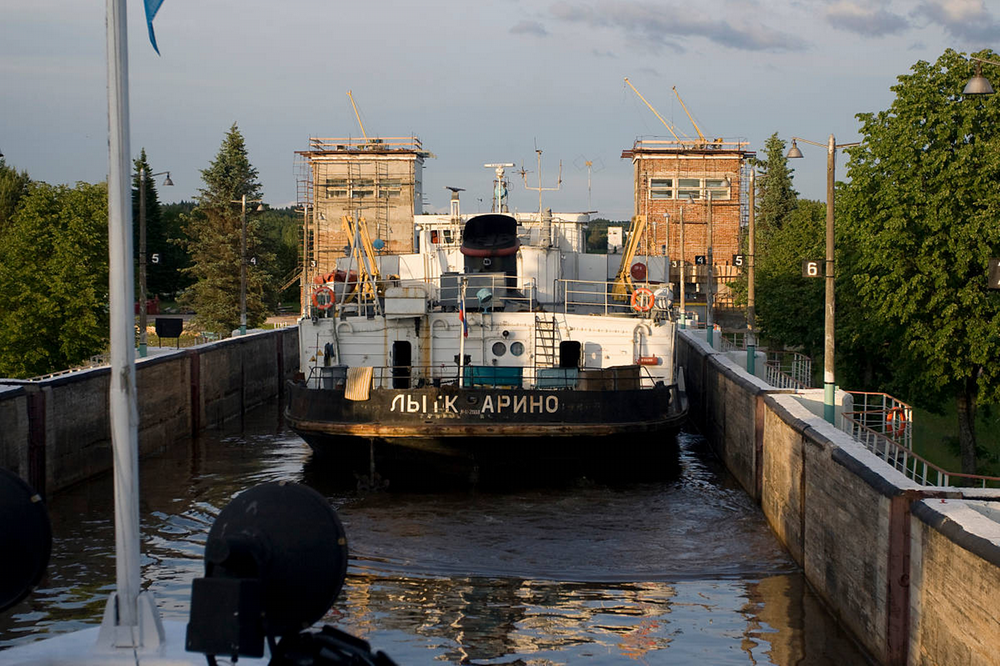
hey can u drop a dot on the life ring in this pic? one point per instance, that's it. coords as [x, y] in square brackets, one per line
[895, 421]
[328, 298]
[642, 300]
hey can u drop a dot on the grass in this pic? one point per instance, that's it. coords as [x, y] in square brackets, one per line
[935, 437]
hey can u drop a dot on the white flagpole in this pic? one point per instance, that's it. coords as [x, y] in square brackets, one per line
[123, 405]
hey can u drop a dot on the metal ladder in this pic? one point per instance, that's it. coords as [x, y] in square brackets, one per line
[546, 333]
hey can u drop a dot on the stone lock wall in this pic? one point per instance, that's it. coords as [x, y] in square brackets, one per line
[913, 572]
[55, 432]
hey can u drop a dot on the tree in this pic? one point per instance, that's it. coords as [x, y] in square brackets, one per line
[174, 218]
[775, 197]
[13, 186]
[158, 270]
[789, 306]
[214, 241]
[54, 279]
[920, 213]
[774, 202]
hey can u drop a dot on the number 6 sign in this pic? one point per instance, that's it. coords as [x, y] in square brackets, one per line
[810, 268]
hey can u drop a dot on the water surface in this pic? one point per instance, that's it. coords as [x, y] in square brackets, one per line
[668, 572]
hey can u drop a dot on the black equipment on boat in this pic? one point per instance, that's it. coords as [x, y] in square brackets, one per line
[27, 541]
[275, 561]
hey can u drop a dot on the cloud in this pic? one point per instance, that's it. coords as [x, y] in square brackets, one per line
[530, 28]
[966, 19]
[864, 19]
[657, 25]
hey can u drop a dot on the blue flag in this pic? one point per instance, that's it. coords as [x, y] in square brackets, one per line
[152, 6]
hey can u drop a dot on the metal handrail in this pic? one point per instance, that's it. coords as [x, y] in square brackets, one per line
[881, 422]
[529, 377]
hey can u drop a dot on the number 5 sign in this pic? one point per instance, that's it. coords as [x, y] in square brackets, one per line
[994, 273]
[810, 268]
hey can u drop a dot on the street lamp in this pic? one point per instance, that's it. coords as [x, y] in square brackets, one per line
[142, 252]
[978, 84]
[828, 376]
[243, 257]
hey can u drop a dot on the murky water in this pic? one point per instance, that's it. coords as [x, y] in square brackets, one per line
[667, 572]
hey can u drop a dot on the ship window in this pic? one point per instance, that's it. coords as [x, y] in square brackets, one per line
[517, 348]
[499, 349]
[661, 188]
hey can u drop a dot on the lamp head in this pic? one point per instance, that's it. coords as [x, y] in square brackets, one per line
[793, 152]
[978, 84]
[167, 182]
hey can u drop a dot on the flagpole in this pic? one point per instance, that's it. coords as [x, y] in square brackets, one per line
[461, 334]
[130, 620]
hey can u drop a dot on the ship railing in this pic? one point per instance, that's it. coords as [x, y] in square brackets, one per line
[884, 426]
[597, 297]
[492, 376]
[503, 291]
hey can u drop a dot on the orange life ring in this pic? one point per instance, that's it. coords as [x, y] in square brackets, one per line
[328, 300]
[642, 300]
[895, 421]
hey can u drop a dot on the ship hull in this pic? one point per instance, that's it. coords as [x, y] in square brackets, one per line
[496, 431]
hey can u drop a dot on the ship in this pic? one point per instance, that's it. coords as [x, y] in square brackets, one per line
[500, 346]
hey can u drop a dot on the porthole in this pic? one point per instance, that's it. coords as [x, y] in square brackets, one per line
[499, 349]
[517, 348]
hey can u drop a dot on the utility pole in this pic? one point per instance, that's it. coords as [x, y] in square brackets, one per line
[143, 323]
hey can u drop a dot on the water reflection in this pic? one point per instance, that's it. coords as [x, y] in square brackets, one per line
[680, 569]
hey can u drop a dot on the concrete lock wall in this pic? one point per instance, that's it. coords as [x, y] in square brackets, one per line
[912, 571]
[56, 432]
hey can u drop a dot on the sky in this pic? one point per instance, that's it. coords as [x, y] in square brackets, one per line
[477, 81]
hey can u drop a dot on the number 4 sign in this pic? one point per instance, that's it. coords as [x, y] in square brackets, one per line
[994, 273]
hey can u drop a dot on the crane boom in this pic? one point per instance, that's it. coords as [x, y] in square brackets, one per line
[357, 115]
[665, 123]
[684, 106]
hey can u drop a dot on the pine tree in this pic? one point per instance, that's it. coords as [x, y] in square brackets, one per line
[214, 241]
[775, 197]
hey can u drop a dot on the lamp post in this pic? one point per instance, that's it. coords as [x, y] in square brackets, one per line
[828, 338]
[142, 253]
[243, 257]
[709, 287]
[680, 269]
[751, 277]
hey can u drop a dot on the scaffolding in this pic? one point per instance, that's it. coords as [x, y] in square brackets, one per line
[377, 179]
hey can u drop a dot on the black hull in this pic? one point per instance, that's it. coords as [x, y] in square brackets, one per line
[478, 433]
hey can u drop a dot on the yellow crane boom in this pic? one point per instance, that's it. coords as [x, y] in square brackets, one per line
[357, 115]
[665, 123]
[684, 106]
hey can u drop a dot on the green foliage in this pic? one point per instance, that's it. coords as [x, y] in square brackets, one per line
[281, 237]
[175, 255]
[214, 241]
[13, 186]
[775, 198]
[54, 279]
[597, 235]
[921, 215]
[790, 307]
